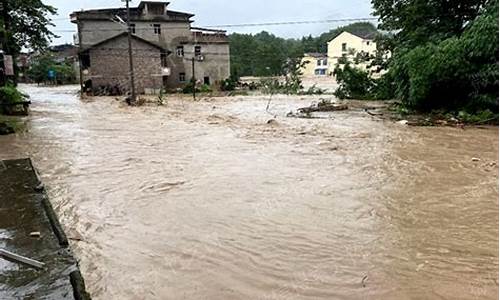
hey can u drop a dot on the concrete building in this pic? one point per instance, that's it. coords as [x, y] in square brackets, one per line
[314, 64]
[166, 43]
[348, 47]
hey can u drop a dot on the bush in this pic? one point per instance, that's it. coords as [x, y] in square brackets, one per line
[205, 88]
[479, 117]
[313, 90]
[354, 83]
[9, 94]
[188, 88]
[228, 84]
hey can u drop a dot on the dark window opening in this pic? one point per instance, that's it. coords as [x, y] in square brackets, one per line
[132, 28]
[206, 80]
[157, 28]
[344, 46]
[85, 60]
[320, 71]
[182, 77]
[319, 62]
[197, 50]
[163, 58]
[180, 51]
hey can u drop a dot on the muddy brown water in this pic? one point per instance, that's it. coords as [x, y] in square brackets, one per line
[207, 201]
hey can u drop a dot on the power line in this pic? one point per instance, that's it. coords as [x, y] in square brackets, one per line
[250, 24]
[292, 22]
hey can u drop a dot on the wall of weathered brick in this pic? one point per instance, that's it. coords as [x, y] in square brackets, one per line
[110, 65]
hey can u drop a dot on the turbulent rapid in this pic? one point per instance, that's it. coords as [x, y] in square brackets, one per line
[209, 200]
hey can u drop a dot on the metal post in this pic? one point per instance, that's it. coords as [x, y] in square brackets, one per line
[194, 80]
[131, 63]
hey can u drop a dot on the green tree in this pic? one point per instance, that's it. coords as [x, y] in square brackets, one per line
[262, 54]
[420, 21]
[458, 72]
[41, 65]
[26, 24]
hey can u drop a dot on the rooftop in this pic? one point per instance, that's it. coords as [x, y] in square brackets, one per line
[316, 54]
[364, 35]
[146, 11]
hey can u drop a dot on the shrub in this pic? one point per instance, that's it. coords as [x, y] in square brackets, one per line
[9, 94]
[188, 88]
[228, 84]
[313, 90]
[205, 88]
[354, 83]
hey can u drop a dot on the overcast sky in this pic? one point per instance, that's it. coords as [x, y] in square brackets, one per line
[218, 12]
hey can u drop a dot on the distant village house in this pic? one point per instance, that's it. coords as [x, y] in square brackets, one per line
[314, 64]
[164, 43]
[353, 48]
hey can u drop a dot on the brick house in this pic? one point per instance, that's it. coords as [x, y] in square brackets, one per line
[166, 43]
[107, 63]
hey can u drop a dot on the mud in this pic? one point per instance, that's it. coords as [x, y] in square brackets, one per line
[210, 200]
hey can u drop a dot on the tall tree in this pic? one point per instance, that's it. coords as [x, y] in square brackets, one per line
[26, 24]
[416, 22]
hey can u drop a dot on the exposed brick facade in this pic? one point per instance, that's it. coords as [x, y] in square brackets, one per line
[110, 64]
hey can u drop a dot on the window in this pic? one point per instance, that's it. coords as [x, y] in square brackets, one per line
[344, 46]
[319, 62]
[163, 58]
[157, 29]
[206, 80]
[325, 62]
[132, 28]
[85, 60]
[320, 72]
[197, 50]
[368, 43]
[182, 77]
[180, 51]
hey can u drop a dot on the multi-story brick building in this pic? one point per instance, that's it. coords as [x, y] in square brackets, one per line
[164, 43]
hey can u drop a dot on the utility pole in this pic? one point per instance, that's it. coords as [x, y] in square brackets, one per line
[3, 41]
[131, 61]
[80, 48]
[194, 80]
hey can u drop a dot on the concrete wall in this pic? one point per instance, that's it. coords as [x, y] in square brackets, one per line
[96, 31]
[115, 69]
[353, 43]
[215, 64]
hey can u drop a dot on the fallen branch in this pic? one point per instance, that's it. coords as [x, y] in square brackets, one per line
[21, 259]
[324, 107]
[373, 114]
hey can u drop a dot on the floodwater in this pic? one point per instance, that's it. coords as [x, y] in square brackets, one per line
[207, 201]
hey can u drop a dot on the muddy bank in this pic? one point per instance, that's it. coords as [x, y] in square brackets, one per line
[27, 229]
[210, 200]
